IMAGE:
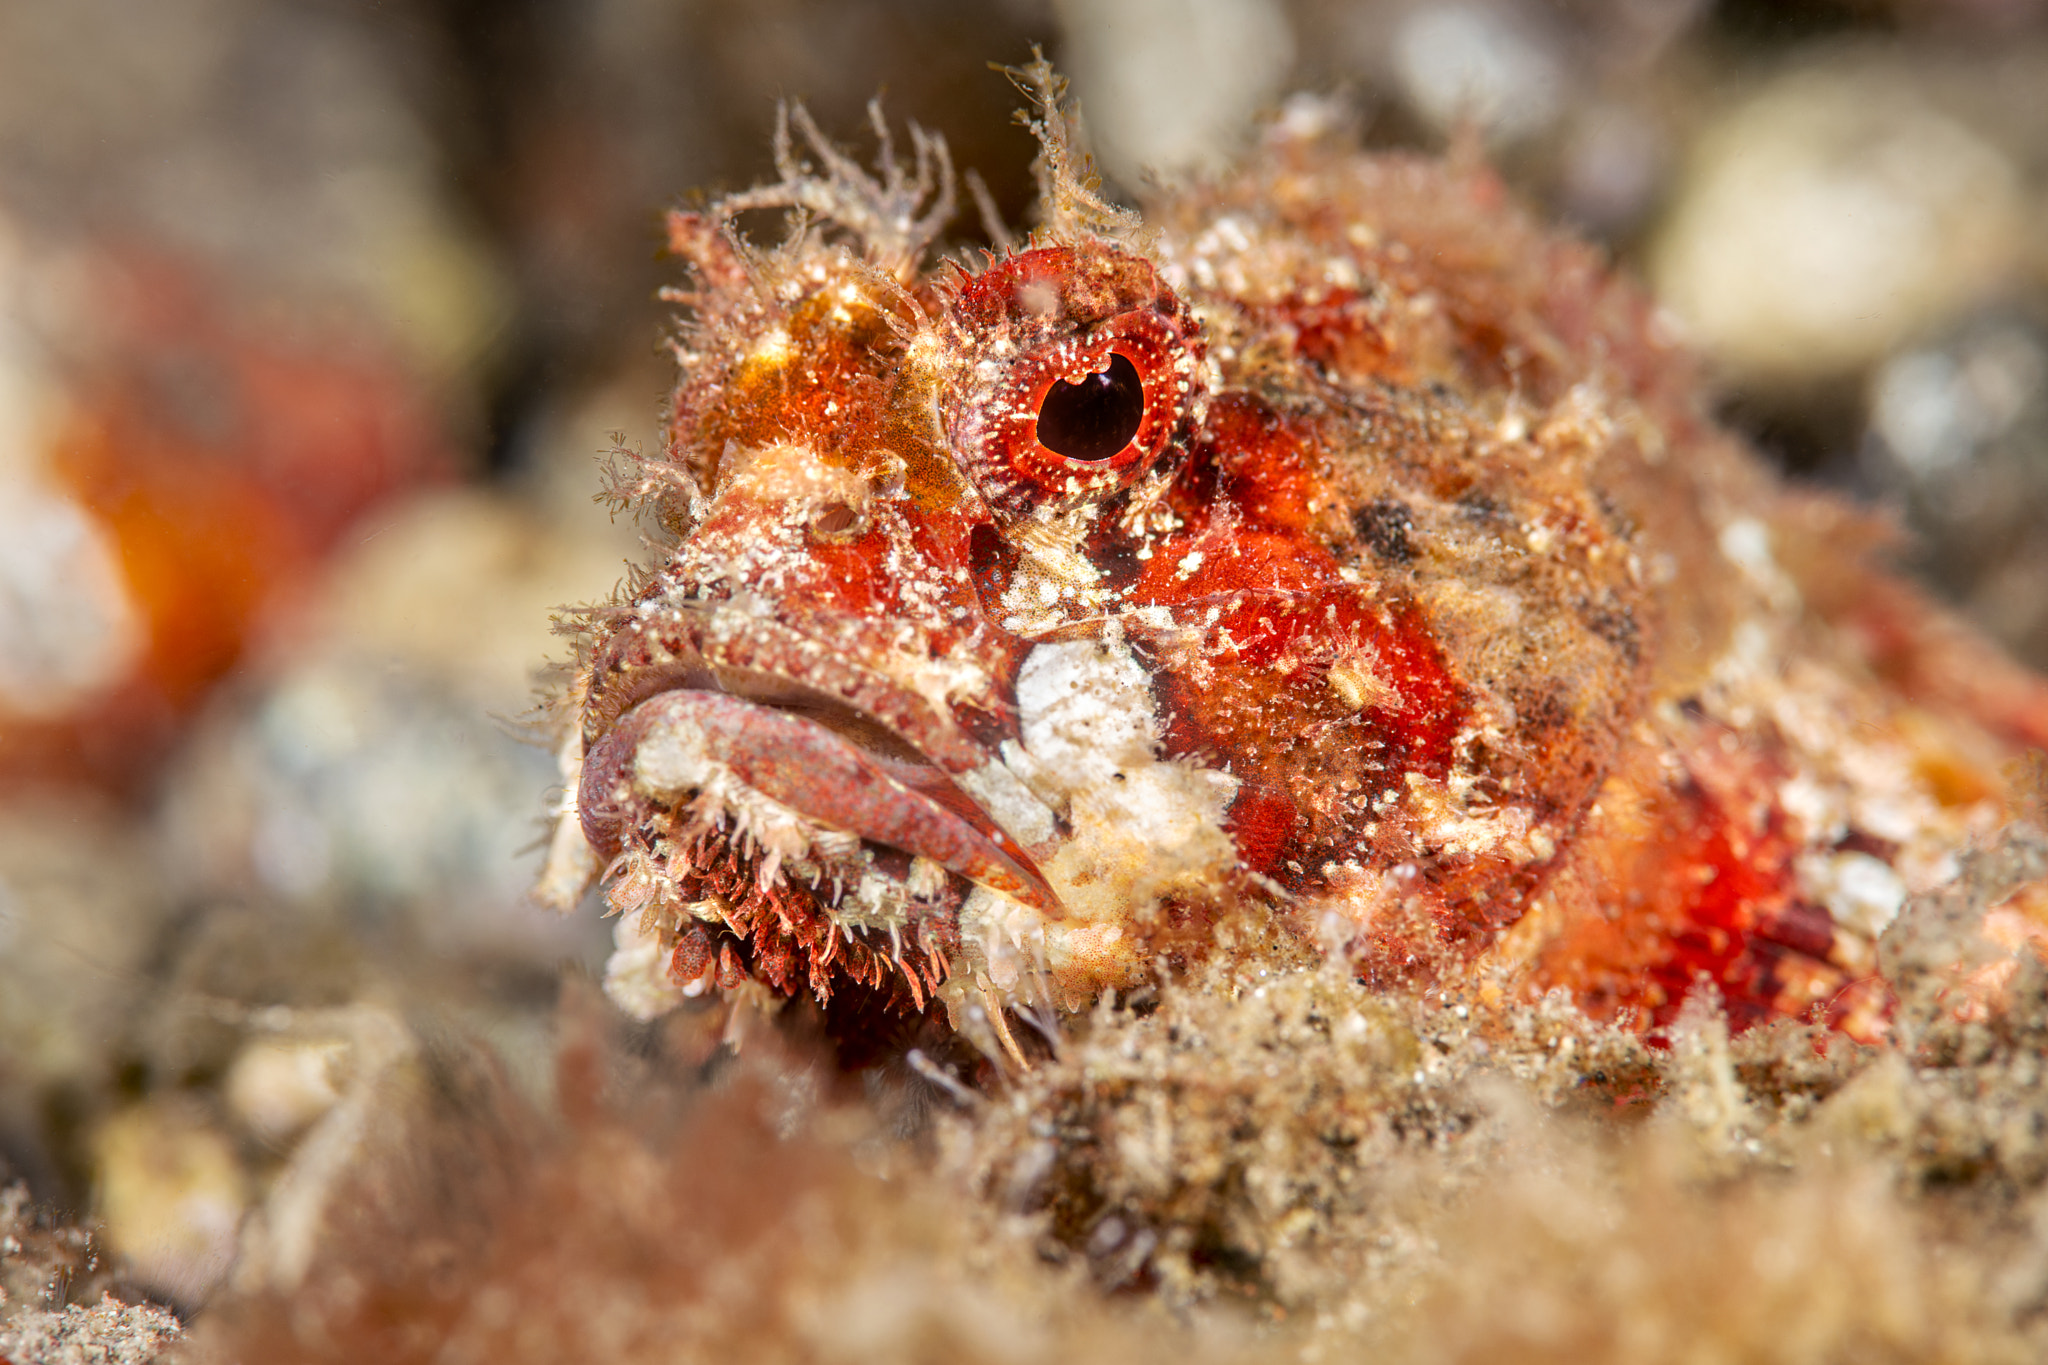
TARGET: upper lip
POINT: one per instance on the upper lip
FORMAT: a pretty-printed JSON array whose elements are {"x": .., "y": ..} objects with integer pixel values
[
  {"x": 723, "y": 648},
  {"x": 833, "y": 715}
]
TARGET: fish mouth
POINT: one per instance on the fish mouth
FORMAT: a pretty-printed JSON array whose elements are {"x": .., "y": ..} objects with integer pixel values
[
  {"x": 709, "y": 696},
  {"x": 721, "y": 647}
]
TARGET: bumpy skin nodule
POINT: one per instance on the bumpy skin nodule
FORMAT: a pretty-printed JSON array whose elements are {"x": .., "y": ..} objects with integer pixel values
[{"x": 1420, "y": 616}]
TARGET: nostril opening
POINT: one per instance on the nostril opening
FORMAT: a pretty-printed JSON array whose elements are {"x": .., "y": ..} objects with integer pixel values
[{"x": 835, "y": 519}]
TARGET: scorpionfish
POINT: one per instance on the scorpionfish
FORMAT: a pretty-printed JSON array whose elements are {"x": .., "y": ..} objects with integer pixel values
[{"x": 1329, "y": 561}]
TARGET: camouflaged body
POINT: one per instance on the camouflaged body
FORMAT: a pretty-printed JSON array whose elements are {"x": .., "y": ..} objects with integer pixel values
[{"x": 1422, "y": 616}]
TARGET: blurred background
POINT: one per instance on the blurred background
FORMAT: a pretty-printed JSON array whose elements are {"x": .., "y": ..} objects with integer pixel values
[{"x": 316, "y": 317}]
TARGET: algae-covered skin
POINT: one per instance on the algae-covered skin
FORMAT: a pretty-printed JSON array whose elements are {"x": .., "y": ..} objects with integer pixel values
[{"x": 1329, "y": 561}]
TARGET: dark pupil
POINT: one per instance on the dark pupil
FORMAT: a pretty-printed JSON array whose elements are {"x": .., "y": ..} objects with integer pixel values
[{"x": 1095, "y": 418}]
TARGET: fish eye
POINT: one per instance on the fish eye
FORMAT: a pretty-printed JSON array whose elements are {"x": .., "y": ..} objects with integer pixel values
[
  {"x": 1078, "y": 371},
  {"x": 1094, "y": 417}
]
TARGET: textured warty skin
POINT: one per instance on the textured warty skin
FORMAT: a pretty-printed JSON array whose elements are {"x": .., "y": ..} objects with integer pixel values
[{"x": 1329, "y": 561}]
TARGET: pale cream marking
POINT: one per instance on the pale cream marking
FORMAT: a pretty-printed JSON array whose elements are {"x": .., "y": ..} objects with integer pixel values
[{"x": 1143, "y": 826}]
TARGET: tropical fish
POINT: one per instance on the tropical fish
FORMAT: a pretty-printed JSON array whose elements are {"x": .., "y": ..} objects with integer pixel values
[{"x": 1330, "y": 560}]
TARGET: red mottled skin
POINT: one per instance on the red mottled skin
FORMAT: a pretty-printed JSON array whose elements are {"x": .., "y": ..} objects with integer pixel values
[{"x": 1411, "y": 609}]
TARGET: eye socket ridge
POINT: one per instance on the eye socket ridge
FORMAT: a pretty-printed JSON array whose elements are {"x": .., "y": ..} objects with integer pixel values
[{"x": 1079, "y": 418}]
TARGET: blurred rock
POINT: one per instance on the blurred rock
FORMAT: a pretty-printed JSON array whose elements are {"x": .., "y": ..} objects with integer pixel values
[
  {"x": 220, "y": 460},
  {"x": 1496, "y": 66},
  {"x": 345, "y": 832},
  {"x": 82, "y": 909},
  {"x": 1829, "y": 217},
  {"x": 1959, "y": 441},
  {"x": 1171, "y": 86},
  {"x": 462, "y": 586},
  {"x": 1854, "y": 240},
  {"x": 272, "y": 141},
  {"x": 171, "y": 1197},
  {"x": 68, "y": 628},
  {"x": 349, "y": 790},
  {"x": 276, "y": 1088},
  {"x": 68, "y": 624},
  {"x": 413, "y": 1130},
  {"x": 379, "y": 771},
  {"x": 236, "y": 311},
  {"x": 223, "y": 962},
  {"x": 1583, "y": 106}
]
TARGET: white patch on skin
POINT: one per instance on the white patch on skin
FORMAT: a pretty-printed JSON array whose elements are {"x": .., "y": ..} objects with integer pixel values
[
  {"x": 773, "y": 348},
  {"x": 1084, "y": 710},
  {"x": 1158, "y": 831},
  {"x": 791, "y": 476},
  {"x": 1861, "y": 892},
  {"x": 1445, "y": 825},
  {"x": 1153, "y": 617},
  {"x": 1144, "y": 827},
  {"x": 1822, "y": 813},
  {"x": 1011, "y": 804},
  {"x": 1054, "y": 576},
  {"x": 1746, "y": 543},
  {"x": 1355, "y": 678}
]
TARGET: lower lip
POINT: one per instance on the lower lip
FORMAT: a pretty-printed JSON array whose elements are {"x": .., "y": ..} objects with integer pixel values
[{"x": 685, "y": 740}]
